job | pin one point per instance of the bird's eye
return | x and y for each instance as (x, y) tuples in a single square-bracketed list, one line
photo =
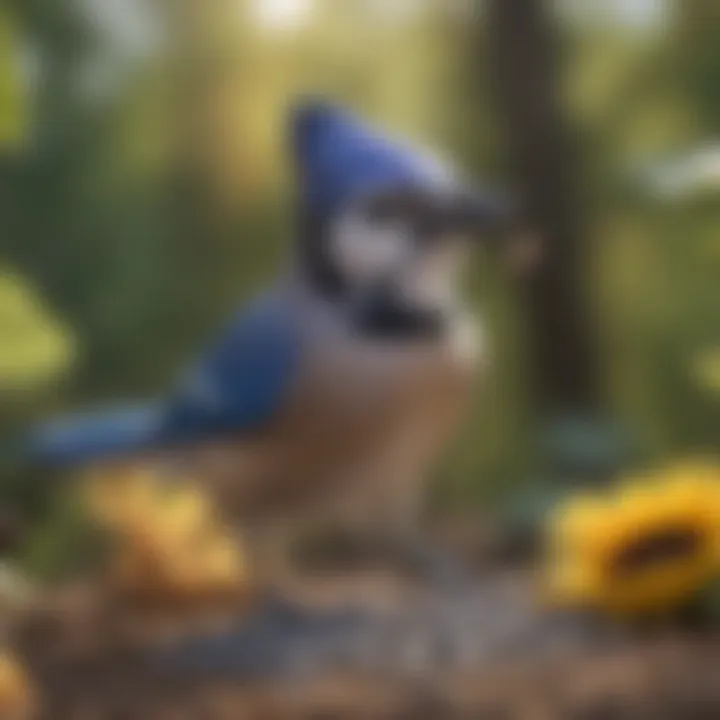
[(366, 250), (383, 209), (393, 206)]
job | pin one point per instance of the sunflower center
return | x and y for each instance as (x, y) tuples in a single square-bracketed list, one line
[(666, 545)]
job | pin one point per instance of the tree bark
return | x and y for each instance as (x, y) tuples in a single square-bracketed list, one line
[(522, 60)]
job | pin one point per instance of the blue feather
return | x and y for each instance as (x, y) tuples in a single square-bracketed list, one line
[(242, 380), (84, 437), (237, 386), (340, 158)]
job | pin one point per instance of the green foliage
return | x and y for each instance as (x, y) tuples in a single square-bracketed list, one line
[(64, 541), (36, 348), (13, 100), (134, 219)]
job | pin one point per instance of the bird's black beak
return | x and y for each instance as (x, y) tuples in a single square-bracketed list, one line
[(493, 218), (498, 221), (488, 213)]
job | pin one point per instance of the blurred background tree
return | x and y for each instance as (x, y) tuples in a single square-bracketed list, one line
[(546, 159)]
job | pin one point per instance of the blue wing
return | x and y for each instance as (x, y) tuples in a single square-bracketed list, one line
[(242, 380), (91, 436), (237, 386)]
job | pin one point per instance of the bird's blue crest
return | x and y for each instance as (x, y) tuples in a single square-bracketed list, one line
[(340, 159)]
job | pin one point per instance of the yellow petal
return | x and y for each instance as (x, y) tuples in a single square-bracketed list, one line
[(577, 518), (15, 691), (589, 533)]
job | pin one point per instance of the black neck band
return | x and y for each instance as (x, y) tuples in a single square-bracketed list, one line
[(385, 316)]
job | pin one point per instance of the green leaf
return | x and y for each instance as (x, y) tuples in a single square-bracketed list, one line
[(36, 348), (13, 100)]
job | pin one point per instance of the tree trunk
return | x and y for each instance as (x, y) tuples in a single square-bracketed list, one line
[(522, 60)]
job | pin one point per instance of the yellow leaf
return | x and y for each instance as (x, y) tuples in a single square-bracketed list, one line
[(36, 347)]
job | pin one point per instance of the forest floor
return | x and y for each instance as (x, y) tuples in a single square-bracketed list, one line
[(361, 645)]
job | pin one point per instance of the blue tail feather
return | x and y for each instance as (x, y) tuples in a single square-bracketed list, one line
[(82, 438)]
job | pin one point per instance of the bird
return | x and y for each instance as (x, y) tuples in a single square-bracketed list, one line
[(331, 395)]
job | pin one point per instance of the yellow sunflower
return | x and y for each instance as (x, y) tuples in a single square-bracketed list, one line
[(17, 697), (120, 499), (171, 545), (645, 548)]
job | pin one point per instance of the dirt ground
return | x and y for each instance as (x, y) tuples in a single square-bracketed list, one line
[(363, 646)]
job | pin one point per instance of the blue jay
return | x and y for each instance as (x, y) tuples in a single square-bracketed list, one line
[(331, 395)]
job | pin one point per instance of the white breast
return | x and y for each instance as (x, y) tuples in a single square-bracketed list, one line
[(392, 409)]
